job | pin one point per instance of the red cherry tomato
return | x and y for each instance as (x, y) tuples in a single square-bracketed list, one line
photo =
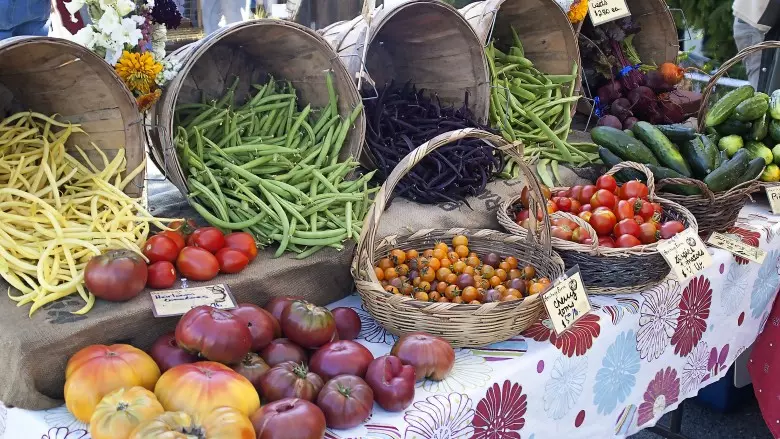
[(243, 242), (580, 235), (159, 248), (633, 188), (646, 210), (671, 228), (585, 214), (648, 233), (603, 221), (564, 204), (624, 210), (576, 193), (197, 264), (561, 232), (587, 193), (639, 219), (174, 236), (607, 182), (185, 228), (657, 208), (231, 261), (551, 207), (209, 238), (522, 215), (603, 198), (586, 207), (162, 274), (626, 241), (606, 241), (576, 206), (626, 227), (566, 193)]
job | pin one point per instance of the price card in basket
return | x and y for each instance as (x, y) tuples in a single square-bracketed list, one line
[(686, 254), (170, 303), (737, 247), (566, 301), (773, 194), (604, 11)]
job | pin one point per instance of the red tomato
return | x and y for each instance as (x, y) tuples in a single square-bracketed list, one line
[(162, 274), (603, 198), (215, 334), (346, 402), (633, 188), (585, 214), (308, 325), (174, 236), (639, 219), (522, 215), (646, 210), (607, 182), (243, 242), (648, 233), (290, 380), (184, 227), (159, 248), (347, 323), (551, 207), (392, 382), (566, 193), (576, 206), (343, 357), (564, 204), (290, 417), (564, 222), (116, 275), (580, 235), (626, 227), (671, 228), (587, 193), (209, 238), (626, 241), (586, 207), (624, 210), (561, 232), (231, 261), (556, 199), (657, 208), (576, 192), (197, 264), (606, 241), (603, 221)]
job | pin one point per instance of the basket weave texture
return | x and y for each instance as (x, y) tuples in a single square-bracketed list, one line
[(460, 324)]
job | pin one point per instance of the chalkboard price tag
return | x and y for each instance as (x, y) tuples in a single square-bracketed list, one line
[(737, 247), (773, 194), (170, 303), (566, 301), (686, 254), (604, 11)]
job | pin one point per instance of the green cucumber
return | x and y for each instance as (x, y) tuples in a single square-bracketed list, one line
[(762, 95), (726, 175), (662, 147), (623, 145), (660, 173), (677, 133), (774, 130), (695, 155), (760, 128), (723, 157), (751, 109), (758, 149), (731, 144), (732, 126), (774, 105), (711, 151), (726, 105), (630, 133), (754, 169), (623, 175), (776, 154)]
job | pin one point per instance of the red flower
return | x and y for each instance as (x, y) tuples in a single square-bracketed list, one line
[(663, 391), (574, 341), (749, 237), (694, 311), (500, 413), (541, 330)]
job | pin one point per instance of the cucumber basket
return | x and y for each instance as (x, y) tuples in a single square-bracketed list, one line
[(610, 270), (460, 324)]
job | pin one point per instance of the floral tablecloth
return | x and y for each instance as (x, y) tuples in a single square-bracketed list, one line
[(621, 367)]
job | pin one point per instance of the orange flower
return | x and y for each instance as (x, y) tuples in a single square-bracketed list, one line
[(577, 11), (138, 71), (146, 101)]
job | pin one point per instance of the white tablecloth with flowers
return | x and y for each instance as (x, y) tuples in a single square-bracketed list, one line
[(634, 358)]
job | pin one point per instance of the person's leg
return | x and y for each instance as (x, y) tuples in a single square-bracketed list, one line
[(232, 10), (32, 28), (212, 14), (746, 35)]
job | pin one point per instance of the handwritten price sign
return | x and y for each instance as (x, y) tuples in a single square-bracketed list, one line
[(566, 301), (686, 254), (773, 194), (177, 302), (737, 247), (604, 11)]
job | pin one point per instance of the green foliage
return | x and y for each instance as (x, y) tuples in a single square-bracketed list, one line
[(715, 18)]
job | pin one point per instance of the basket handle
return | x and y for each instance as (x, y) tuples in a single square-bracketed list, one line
[(722, 71), (639, 167), (366, 246), (688, 181)]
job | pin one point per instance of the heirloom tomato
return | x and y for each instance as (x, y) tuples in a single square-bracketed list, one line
[(116, 275), (624, 210), (603, 198), (343, 357), (431, 356), (346, 401), (277, 305), (263, 327), (221, 423), (120, 412), (648, 233), (392, 382), (347, 323), (167, 353), (289, 417), (561, 232), (252, 367), (626, 241), (308, 325), (215, 334), (587, 193), (626, 227), (281, 350), (290, 380), (632, 189)]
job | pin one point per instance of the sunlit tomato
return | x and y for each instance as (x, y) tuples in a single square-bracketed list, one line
[(624, 210), (576, 192), (606, 241), (607, 182), (671, 228), (576, 206), (626, 241), (551, 207), (626, 227), (587, 193), (209, 238), (585, 214), (648, 233), (564, 222), (580, 235), (633, 188), (231, 261), (162, 274), (603, 198), (564, 204), (221, 423), (120, 412), (243, 242), (197, 264), (561, 232), (603, 221), (174, 236)]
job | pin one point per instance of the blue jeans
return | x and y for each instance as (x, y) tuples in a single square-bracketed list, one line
[(24, 17)]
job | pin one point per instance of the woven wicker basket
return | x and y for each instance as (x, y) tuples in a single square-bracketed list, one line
[(724, 68), (611, 270), (460, 324)]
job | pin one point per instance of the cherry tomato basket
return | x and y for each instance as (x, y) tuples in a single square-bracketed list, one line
[(610, 270), (460, 324)]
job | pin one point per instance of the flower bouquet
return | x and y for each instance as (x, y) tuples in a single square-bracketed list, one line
[(130, 35)]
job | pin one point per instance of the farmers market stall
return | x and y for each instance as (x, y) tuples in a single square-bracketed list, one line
[(619, 369)]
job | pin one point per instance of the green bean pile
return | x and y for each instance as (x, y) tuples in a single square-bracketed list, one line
[(273, 170), (528, 105)]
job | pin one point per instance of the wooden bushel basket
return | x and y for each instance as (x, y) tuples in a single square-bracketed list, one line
[(55, 76), (424, 41), (251, 51)]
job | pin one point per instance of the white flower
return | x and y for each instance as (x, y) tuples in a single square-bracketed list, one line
[(150, 4), (85, 37), (565, 385), (125, 7), (109, 21), (74, 6), (129, 32)]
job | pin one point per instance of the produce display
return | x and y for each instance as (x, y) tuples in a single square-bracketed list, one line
[(456, 274), (675, 151), (403, 118), (271, 169), (743, 120), (621, 215), (528, 105), (59, 210)]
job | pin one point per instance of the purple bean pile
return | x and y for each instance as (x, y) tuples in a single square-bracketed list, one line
[(403, 118)]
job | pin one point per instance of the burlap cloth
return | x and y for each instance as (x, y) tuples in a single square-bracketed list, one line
[(35, 350)]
